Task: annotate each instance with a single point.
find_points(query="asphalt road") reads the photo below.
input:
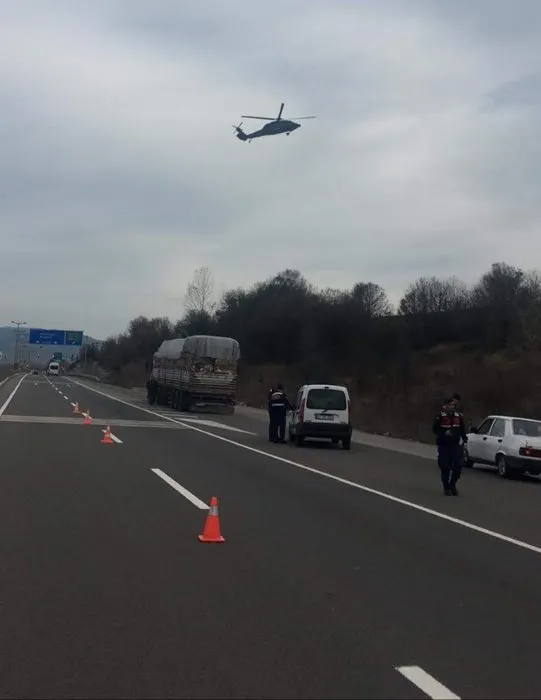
(344, 574)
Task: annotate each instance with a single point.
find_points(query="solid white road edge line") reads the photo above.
(425, 682)
(10, 397)
(332, 477)
(114, 438)
(189, 496)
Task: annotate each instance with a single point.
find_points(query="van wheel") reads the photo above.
(346, 444)
(335, 441)
(299, 440)
(291, 437)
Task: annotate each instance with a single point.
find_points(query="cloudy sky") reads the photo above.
(120, 174)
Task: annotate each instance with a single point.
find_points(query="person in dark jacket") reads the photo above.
(449, 428)
(278, 407)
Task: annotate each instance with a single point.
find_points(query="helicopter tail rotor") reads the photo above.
(240, 133)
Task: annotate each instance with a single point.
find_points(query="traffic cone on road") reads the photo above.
(212, 532)
(88, 419)
(107, 438)
(76, 408)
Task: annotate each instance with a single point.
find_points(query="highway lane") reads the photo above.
(507, 506)
(322, 589)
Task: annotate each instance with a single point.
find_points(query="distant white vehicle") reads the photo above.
(512, 445)
(53, 369)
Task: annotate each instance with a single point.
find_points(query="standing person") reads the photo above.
(278, 407)
(448, 428)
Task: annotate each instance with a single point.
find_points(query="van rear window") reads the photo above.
(331, 399)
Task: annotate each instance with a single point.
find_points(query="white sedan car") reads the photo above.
(512, 445)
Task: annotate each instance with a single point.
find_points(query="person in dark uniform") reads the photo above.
(278, 407)
(448, 428)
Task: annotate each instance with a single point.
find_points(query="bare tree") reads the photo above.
(199, 297)
(371, 299)
(431, 295)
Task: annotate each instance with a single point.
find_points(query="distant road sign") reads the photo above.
(41, 336)
(57, 355)
(74, 338)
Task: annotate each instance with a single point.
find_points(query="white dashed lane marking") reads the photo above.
(427, 683)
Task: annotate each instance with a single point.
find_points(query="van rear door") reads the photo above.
(326, 404)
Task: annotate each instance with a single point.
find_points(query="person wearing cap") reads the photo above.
(278, 407)
(449, 429)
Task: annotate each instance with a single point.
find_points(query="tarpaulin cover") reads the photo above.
(212, 346)
(170, 349)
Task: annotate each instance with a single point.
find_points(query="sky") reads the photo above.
(120, 173)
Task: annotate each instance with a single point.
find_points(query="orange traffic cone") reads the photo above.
(107, 437)
(212, 533)
(88, 419)
(76, 408)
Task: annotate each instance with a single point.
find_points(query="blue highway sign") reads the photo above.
(41, 336)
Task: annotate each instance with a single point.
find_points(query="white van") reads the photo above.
(53, 368)
(321, 411)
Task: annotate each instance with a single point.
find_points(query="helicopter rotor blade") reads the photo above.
(280, 112)
(266, 119)
(296, 118)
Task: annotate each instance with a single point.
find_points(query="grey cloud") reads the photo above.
(523, 92)
(120, 172)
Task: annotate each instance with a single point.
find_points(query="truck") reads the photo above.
(196, 372)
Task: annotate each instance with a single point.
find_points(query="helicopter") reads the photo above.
(275, 126)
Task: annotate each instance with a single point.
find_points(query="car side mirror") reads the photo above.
(473, 430)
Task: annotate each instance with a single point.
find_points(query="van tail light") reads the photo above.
(349, 406)
(301, 410)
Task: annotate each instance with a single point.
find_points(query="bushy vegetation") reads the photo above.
(482, 340)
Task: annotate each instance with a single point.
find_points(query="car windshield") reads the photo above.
(528, 428)
(330, 399)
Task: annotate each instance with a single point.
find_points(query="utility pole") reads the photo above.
(16, 356)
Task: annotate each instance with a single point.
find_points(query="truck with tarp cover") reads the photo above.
(195, 372)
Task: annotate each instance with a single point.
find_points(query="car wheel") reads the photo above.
(503, 469)
(299, 440)
(346, 444)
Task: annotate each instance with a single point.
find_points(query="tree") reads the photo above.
(432, 295)
(199, 295)
(505, 295)
(371, 300)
